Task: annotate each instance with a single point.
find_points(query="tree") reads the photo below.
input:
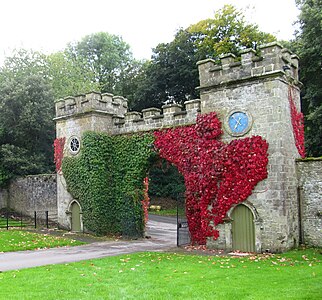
(132, 78)
(26, 126)
(227, 32)
(165, 181)
(106, 56)
(172, 73)
(308, 46)
(23, 63)
(68, 77)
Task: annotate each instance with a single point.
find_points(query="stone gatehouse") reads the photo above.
(251, 97)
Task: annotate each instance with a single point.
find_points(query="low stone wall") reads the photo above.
(310, 192)
(3, 198)
(34, 193)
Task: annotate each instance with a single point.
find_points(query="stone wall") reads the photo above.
(310, 192)
(34, 193)
(3, 198)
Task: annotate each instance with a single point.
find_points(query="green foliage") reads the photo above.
(172, 73)
(309, 48)
(165, 180)
(27, 110)
(131, 80)
(20, 161)
(227, 32)
(24, 63)
(68, 76)
(4, 176)
(106, 56)
(107, 179)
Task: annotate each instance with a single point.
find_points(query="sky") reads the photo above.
(48, 25)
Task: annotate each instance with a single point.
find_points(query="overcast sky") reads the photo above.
(48, 25)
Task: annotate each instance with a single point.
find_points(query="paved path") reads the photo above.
(161, 230)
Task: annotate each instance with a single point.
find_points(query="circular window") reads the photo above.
(74, 145)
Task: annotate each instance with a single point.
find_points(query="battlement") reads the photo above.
(274, 60)
(90, 102)
(117, 118)
(170, 115)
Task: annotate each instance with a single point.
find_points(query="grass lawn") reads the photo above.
(167, 212)
(164, 212)
(11, 223)
(294, 275)
(16, 240)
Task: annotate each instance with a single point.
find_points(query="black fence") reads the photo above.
(183, 234)
(35, 219)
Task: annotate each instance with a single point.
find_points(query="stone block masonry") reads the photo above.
(34, 193)
(3, 198)
(171, 115)
(310, 197)
(258, 86)
(273, 61)
(108, 113)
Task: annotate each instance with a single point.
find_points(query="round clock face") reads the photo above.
(239, 122)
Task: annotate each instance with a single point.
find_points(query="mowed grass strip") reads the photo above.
(11, 223)
(19, 240)
(168, 212)
(164, 212)
(295, 275)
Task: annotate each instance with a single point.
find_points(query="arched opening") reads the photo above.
(75, 217)
(165, 184)
(167, 201)
(243, 229)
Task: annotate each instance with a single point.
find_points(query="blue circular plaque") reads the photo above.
(239, 122)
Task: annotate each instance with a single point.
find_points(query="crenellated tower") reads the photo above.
(252, 94)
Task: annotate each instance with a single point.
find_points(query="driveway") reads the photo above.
(162, 231)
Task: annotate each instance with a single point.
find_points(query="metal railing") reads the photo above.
(10, 219)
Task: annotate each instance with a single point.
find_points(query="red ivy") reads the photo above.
(217, 175)
(59, 152)
(297, 124)
(146, 200)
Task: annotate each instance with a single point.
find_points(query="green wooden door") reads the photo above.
(76, 223)
(243, 231)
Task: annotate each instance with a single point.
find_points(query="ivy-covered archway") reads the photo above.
(108, 175)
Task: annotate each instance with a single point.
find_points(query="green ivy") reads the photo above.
(107, 179)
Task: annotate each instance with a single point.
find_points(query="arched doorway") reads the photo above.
(76, 217)
(243, 229)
